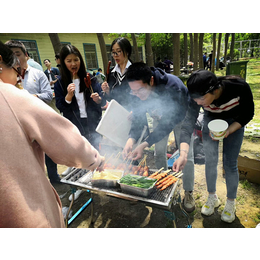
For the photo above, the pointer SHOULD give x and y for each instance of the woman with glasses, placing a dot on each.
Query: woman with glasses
(116, 86)
(29, 128)
(228, 98)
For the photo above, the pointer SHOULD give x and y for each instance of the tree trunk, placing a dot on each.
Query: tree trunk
(55, 40)
(218, 51)
(191, 47)
(201, 64)
(232, 46)
(103, 49)
(214, 53)
(185, 49)
(176, 53)
(149, 51)
(136, 57)
(196, 51)
(226, 47)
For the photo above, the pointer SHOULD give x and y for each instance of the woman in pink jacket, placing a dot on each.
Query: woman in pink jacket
(29, 128)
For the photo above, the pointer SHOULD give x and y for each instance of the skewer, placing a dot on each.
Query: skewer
(87, 81)
(109, 158)
(179, 175)
(142, 161)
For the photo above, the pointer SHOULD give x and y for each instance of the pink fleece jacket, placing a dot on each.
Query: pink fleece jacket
(28, 128)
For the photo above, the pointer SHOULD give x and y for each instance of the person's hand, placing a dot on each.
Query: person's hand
(127, 151)
(139, 150)
(105, 87)
(179, 164)
(227, 133)
(100, 168)
(71, 89)
(95, 96)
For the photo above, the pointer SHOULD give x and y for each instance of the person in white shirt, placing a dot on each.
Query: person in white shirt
(33, 80)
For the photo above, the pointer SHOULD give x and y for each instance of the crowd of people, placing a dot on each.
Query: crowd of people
(52, 119)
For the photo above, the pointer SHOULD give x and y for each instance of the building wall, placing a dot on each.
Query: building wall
(45, 47)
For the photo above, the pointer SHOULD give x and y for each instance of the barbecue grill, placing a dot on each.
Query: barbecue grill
(81, 179)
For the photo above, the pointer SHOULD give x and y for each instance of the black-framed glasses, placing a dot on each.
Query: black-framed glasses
(116, 53)
(18, 71)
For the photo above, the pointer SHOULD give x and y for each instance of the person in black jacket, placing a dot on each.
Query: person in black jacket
(74, 99)
(116, 87)
(51, 72)
(165, 98)
(228, 98)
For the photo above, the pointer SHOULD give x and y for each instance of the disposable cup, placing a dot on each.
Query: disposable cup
(217, 129)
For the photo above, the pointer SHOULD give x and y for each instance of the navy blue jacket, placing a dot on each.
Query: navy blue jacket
(120, 91)
(71, 111)
(54, 72)
(167, 103)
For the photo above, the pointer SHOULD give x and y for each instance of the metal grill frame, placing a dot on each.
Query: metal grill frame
(161, 199)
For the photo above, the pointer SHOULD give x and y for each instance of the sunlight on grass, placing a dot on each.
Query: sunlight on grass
(253, 79)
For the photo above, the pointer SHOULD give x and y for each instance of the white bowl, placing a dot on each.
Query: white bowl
(218, 129)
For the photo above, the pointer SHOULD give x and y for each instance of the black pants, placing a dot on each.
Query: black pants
(51, 169)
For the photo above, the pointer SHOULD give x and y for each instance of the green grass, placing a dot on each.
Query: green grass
(245, 184)
(253, 79)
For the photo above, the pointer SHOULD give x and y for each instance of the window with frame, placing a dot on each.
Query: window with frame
(91, 56)
(109, 56)
(31, 47)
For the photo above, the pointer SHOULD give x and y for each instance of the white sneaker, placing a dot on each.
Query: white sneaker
(228, 214)
(212, 203)
(67, 171)
(76, 195)
(189, 202)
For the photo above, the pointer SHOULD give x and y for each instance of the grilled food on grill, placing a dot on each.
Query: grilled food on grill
(107, 175)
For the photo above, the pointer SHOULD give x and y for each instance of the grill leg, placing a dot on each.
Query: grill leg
(92, 211)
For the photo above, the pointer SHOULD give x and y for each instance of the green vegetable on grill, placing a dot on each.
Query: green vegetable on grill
(137, 181)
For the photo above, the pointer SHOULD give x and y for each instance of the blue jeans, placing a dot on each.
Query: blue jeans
(161, 158)
(231, 148)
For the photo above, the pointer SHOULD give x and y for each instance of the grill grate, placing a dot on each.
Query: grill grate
(81, 178)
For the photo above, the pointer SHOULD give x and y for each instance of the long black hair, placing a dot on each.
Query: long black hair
(124, 45)
(65, 73)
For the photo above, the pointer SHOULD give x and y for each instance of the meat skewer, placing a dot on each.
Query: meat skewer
(88, 83)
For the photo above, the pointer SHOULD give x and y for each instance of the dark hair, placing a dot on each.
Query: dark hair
(139, 71)
(47, 60)
(124, 45)
(57, 56)
(16, 44)
(99, 69)
(9, 58)
(203, 81)
(65, 73)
